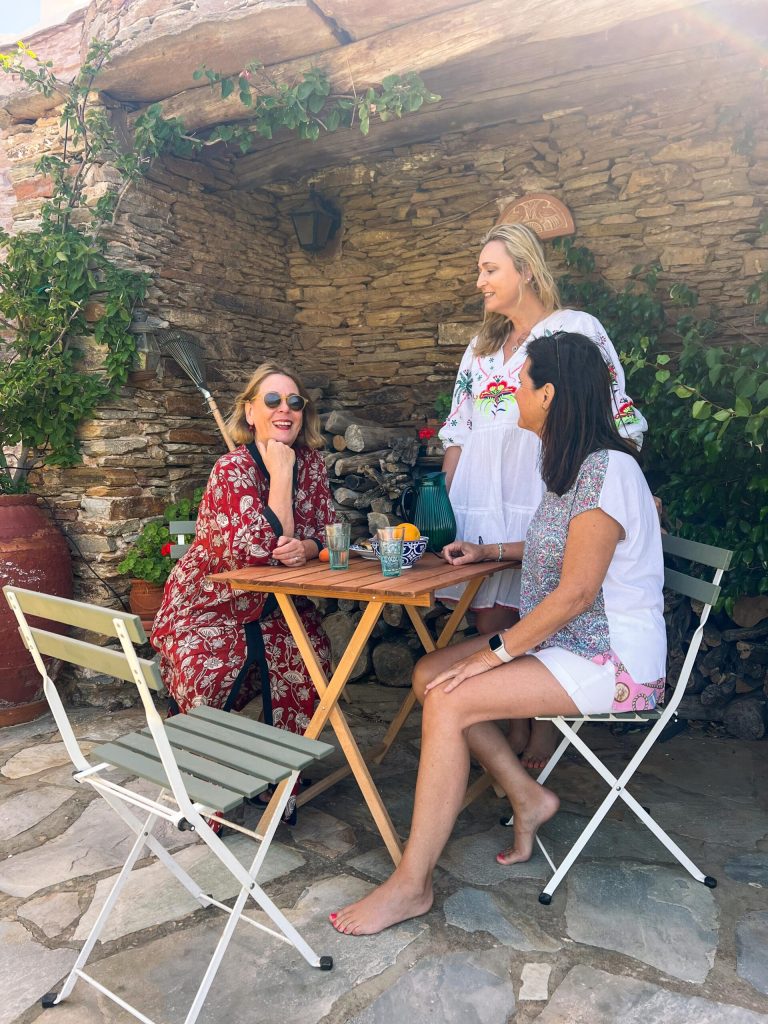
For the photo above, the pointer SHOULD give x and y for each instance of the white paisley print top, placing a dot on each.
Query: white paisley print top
(625, 623)
(497, 485)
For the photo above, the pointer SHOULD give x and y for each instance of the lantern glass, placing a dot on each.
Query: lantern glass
(315, 223)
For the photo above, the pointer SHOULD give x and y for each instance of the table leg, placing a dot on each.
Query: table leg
(429, 645)
(329, 692)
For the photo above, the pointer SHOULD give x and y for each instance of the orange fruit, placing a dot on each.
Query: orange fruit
(410, 532)
(323, 556)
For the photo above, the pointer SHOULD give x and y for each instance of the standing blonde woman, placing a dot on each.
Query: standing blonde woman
(491, 464)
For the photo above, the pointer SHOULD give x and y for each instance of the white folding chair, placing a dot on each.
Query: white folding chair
(206, 763)
(700, 590)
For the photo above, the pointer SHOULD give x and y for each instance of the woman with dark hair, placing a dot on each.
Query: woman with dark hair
(266, 502)
(490, 463)
(591, 635)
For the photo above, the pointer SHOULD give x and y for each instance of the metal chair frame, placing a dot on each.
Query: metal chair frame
(707, 592)
(206, 763)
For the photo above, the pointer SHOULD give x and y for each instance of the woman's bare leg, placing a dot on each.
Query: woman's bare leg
(533, 741)
(493, 620)
(519, 689)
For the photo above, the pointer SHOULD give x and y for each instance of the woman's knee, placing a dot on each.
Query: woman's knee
(424, 672)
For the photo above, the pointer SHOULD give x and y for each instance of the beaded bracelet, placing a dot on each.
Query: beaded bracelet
(501, 552)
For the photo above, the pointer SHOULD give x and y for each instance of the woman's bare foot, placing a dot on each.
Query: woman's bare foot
(519, 734)
(528, 819)
(389, 904)
(540, 746)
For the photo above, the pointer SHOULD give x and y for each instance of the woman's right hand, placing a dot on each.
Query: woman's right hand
(279, 458)
(462, 552)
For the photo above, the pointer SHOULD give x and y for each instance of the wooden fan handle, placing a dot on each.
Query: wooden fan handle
(220, 423)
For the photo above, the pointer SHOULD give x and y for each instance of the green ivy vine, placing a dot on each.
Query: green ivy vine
(58, 283)
(706, 404)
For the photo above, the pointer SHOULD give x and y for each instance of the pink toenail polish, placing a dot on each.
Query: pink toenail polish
(333, 916)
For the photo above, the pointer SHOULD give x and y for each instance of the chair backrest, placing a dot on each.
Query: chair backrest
(104, 623)
(181, 529)
(707, 592)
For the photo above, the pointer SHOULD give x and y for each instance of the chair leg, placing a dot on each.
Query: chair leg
(618, 791)
(106, 910)
(157, 848)
(667, 841)
(545, 896)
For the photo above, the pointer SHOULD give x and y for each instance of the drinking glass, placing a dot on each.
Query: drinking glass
(337, 542)
(391, 550)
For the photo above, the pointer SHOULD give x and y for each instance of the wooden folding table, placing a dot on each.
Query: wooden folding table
(362, 581)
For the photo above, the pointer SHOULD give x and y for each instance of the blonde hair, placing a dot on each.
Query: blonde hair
(242, 432)
(524, 249)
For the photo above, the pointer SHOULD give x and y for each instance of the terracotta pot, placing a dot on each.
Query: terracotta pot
(33, 555)
(145, 600)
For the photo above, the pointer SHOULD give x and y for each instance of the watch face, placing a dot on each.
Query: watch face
(496, 642)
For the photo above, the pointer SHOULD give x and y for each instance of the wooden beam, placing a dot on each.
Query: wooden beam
(593, 74)
(428, 43)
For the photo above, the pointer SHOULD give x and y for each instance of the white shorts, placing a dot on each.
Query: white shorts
(591, 687)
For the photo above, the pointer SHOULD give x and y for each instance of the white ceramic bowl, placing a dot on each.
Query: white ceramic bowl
(412, 550)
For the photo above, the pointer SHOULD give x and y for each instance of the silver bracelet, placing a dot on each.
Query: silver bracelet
(501, 551)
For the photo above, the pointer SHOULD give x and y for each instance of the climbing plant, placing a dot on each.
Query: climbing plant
(59, 286)
(706, 402)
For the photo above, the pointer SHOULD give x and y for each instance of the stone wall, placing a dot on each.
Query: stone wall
(380, 322)
(218, 266)
(677, 179)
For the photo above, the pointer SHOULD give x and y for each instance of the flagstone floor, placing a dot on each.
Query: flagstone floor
(629, 936)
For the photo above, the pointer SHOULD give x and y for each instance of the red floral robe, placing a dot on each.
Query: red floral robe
(199, 630)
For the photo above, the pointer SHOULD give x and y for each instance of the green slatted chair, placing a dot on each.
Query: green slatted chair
(205, 763)
(707, 593)
(181, 529)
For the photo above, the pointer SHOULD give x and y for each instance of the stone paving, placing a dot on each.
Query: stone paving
(629, 935)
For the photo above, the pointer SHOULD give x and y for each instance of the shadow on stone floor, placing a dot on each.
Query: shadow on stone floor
(629, 935)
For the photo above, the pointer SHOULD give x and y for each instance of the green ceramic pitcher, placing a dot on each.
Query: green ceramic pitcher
(428, 506)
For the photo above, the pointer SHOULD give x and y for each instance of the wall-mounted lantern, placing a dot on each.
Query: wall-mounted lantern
(316, 222)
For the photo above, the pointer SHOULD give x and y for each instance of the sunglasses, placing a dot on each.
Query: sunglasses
(295, 403)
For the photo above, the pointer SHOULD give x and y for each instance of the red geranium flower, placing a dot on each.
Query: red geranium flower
(426, 432)
(165, 550)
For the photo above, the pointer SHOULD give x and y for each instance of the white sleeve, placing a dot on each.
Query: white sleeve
(628, 419)
(458, 423)
(626, 497)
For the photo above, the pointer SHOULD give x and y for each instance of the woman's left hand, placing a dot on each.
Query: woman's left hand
(474, 665)
(462, 552)
(290, 551)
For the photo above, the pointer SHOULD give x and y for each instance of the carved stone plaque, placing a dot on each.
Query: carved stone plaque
(544, 214)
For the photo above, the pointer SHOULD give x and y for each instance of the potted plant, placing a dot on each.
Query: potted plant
(148, 563)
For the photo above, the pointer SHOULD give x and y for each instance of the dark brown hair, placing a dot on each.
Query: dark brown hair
(580, 418)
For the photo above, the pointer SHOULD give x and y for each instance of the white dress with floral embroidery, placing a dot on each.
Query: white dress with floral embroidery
(497, 485)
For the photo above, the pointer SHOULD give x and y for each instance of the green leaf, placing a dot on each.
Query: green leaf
(227, 88)
(742, 407)
(701, 410)
(662, 376)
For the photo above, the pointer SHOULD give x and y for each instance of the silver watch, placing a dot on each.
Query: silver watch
(496, 644)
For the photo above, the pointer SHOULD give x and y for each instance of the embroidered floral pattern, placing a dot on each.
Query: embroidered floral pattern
(492, 398)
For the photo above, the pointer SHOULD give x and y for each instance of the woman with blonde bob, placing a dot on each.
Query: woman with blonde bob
(266, 502)
(491, 464)
(591, 637)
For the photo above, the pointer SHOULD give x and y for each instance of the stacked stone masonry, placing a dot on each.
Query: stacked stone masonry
(379, 323)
